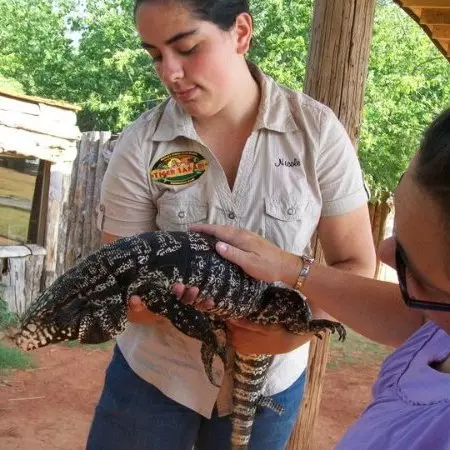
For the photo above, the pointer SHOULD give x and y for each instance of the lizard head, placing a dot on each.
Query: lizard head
(69, 310)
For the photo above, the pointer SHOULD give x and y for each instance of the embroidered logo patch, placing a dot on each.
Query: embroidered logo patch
(179, 168)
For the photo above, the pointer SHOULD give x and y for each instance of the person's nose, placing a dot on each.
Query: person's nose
(171, 69)
(386, 251)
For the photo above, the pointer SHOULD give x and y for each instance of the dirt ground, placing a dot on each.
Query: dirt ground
(50, 408)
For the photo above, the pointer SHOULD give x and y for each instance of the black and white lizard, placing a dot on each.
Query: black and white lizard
(89, 303)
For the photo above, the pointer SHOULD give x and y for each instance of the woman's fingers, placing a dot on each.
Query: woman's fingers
(136, 304)
(190, 296)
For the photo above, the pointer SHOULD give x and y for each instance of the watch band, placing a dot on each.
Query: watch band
(307, 262)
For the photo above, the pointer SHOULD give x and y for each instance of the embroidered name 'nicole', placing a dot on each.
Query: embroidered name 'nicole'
(282, 162)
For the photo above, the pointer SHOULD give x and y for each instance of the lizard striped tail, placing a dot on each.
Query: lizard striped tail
(248, 378)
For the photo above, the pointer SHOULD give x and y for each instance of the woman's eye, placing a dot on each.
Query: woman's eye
(189, 51)
(156, 58)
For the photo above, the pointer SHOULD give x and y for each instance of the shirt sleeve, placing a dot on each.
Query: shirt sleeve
(126, 206)
(338, 169)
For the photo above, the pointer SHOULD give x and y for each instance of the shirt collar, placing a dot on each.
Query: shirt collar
(274, 112)
(274, 109)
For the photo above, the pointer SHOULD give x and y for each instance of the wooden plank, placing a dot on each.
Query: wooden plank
(34, 266)
(34, 101)
(440, 31)
(14, 251)
(101, 166)
(15, 105)
(52, 226)
(426, 3)
(40, 124)
(108, 150)
(435, 17)
(38, 216)
(50, 113)
(89, 207)
(40, 146)
(336, 75)
(76, 202)
(20, 279)
(56, 196)
(64, 218)
(68, 255)
(13, 279)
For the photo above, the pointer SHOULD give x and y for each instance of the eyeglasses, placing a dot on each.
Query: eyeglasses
(400, 261)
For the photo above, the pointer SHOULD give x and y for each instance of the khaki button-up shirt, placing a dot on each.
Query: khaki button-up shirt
(297, 165)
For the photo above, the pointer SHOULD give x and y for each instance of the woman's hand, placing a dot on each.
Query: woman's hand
(252, 338)
(255, 255)
(246, 337)
(138, 312)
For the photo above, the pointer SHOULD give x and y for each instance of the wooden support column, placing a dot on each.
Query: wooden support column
(336, 75)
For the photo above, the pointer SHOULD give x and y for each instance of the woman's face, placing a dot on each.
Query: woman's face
(195, 59)
(421, 231)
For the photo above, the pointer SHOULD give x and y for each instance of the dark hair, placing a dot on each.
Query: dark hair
(432, 168)
(222, 13)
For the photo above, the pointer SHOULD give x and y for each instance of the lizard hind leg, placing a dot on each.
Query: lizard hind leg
(208, 352)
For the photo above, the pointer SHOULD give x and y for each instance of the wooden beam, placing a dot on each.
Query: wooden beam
(426, 3)
(435, 17)
(336, 75)
(38, 216)
(440, 31)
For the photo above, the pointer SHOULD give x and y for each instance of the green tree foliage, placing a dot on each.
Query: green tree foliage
(87, 52)
(33, 47)
(408, 84)
(282, 34)
(114, 79)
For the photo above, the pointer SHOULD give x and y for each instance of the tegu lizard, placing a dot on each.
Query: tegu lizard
(89, 303)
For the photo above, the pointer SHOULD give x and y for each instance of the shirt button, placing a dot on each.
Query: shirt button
(181, 214)
(291, 211)
(232, 215)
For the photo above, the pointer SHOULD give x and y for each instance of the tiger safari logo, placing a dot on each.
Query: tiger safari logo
(179, 168)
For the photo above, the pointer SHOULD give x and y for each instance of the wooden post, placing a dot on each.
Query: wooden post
(56, 219)
(336, 75)
(36, 229)
(100, 170)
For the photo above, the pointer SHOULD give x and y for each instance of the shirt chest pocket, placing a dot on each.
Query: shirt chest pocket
(175, 212)
(290, 223)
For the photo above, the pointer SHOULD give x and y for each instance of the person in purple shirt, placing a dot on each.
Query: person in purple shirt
(410, 409)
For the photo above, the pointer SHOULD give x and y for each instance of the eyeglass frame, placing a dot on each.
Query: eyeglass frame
(401, 267)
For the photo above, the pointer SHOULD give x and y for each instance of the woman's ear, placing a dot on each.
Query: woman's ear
(243, 29)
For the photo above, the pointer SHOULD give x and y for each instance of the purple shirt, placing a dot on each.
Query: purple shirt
(411, 401)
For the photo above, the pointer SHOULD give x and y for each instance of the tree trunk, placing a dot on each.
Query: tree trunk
(336, 75)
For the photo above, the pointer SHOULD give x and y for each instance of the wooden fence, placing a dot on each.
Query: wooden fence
(81, 235)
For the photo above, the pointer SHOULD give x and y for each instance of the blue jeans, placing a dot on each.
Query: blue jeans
(134, 415)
